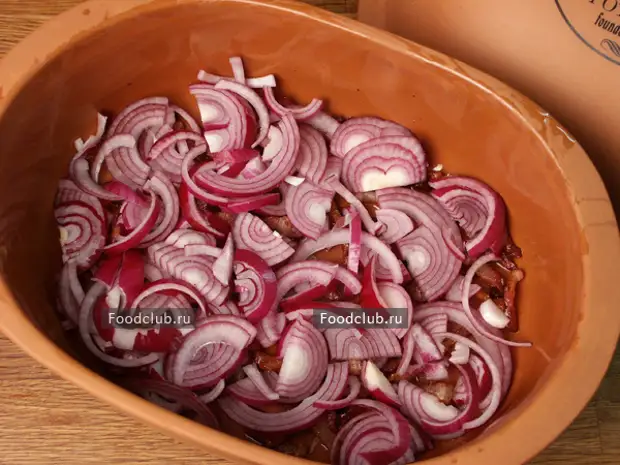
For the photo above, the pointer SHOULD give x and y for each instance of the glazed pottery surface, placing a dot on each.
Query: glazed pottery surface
(103, 55)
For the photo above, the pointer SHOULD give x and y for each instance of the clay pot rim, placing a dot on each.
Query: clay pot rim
(516, 439)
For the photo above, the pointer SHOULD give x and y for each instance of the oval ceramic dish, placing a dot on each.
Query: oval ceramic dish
(105, 54)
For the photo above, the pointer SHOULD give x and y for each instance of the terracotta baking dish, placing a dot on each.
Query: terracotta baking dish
(105, 54)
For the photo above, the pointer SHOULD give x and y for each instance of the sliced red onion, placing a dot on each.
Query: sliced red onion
(498, 352)
(483, 378)
(356, 131)
(479, 210)
(251, 233)
(188, 177)
(163, 187)
(96, 291)
(209, 365)
(305, 295)
(333, 169)
(222, 267)
(227, 123)
(423, 209)
(355, 242)
(493, 315)
(137, 114)
(480, 327)
(299, 113)
(245, 390)
(427, 350)
(296, 419)
(164, 155)
(235, 332)
(384, 162)
(313, 154)
(252, 97)
(304, 362)
(123, 161)
(182, 238)
(436, 371)
(252, 169)
(429, 261)
(168, 285)
(354, 391)
(378, 385)
(198, 219)
(196, 270)
(281, 166)
(270, 328)
(259, 381)
(69, 192)
(82, 233)
(408, 349)
(70, 296)
(455, 293)
(138, 235)
(435, 324)
(238, 69)
(496, 389)
(397, 224)
(79, 170)
(214, 393)
(102, 122)
(342, 236)
(252, 203)
(314, 272)
(273, 143)
(186, 118)
(369, 224)
(460, 354)
(347, 344)
(387, 439)
(323, 123)
(395, 296)
(370, 297)
(307, 206)
(256, 284)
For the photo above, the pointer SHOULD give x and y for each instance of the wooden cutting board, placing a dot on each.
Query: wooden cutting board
(45, 420)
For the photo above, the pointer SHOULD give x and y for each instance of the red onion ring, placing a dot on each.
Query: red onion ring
(258, 284)
(81, 233)
(251, 233)
(259, 381)
(281, 166)
(307, 206)
(69, 192)
(248, 94)
(479, 210)
(355, 131)
(397, 224)
(354, 391)
(313, 154)
(337, 237)
(292, 420)
(300, 113)
(384, 162)
(480, 327)
(304, 360)
(378, 385)
(429, 261)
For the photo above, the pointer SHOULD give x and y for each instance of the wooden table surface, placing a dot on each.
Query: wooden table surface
(45, 420)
